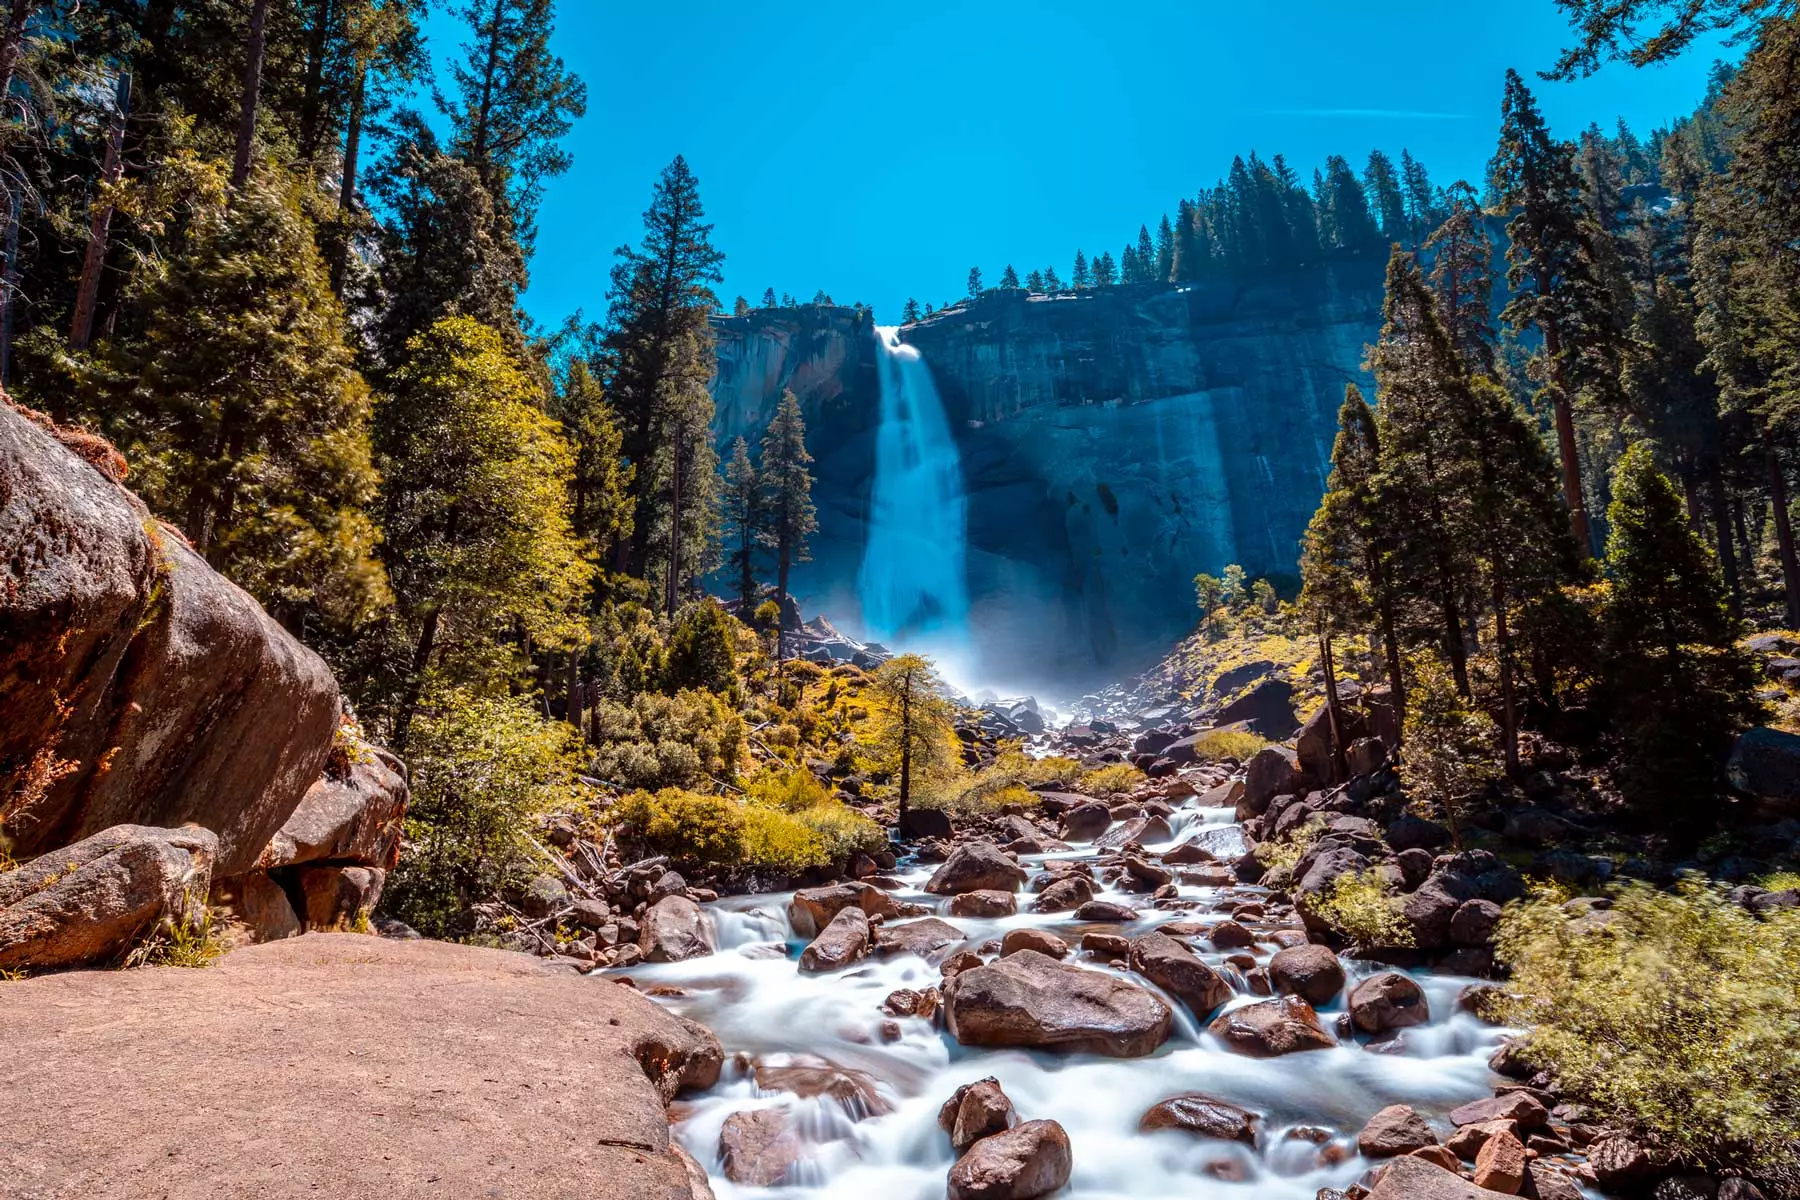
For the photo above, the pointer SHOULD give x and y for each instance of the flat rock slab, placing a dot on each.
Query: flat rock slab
(339, 1065)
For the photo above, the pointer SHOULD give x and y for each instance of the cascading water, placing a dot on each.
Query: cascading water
(912, 581)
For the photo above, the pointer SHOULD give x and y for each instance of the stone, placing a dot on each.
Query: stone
(351, 816)
(1311, 972)
(1474, 922)
(1204, 1116)
(1070, 892)
(1106, 910)
(1033, 1001)
(1547, 1183)
(1530, 825)
(340, 897)
(983, 904)
(1412, 1178)
(1189, 853)
(759, 1147)
(1022, 1163)
(1269, 1028)
(1765, 763)
(1500, 1164)
(93, 901)
(1230, 935)
(1438, 1156)
(926, 937)
(172, 695)
(1620, 1163)
(1086, 822)
(1180, 972)
(260, 905)
(1387, 1001)
(1396, 1129)
(675, 929)
(974, 1111)
(858, 1093)
(921, 823)
(1043, 941)
(976, 867)
(1145, 875)
(1729, 1189)
(1523, 1109)
(1416, 833)
(544, 895)
(1430, 907)
(1267, 709)
(1467, 1141)
(844, 941)
(1145, 831)
(1365, 756)
(1316, 748)
(1106, 945)
(812, 909)
(1271, 771)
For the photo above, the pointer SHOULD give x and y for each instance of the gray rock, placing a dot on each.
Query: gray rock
(1033, 1001)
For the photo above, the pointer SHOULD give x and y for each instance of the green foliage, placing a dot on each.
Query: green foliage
(1449, 745)
(1209, 594)
(744, 518)
(1105, 781)
(485, 771)
(1212, 745)
(787, 490)
(658, 741)
(687, 826)
(701, 650)
(1358, 906)
(193, 941)
(784, 825)
(1280, 858)
(914, 738)
(1672, 1013)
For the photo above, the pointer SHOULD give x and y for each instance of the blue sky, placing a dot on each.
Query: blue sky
(879, 152)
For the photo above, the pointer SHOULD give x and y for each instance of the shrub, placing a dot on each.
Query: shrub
(1280, 858)
(1449, 746)
(1104, 781)
(659, 741)
(485, 769)
(787, 823)
(687, 826)
(780, 841)
(1676, 1016)
(788, 790)
(843, 830)
(1215, 744)
(1358, 906)
(190, 941)
(701, 650)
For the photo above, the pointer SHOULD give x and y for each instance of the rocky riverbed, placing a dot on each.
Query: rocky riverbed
(1147, 1024)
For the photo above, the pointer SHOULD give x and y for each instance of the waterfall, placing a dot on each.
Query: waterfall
(912, 580)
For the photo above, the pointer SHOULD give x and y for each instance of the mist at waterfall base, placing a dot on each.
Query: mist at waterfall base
(913, 583)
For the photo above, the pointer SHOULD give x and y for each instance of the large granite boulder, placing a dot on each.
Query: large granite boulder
(1271, 1028)
(1031, 1000)
(1177, 970)
(1765, 763)
(90, 902)
(1023, 1163)
(352, 814)
(675, 929)
(812, 909)
(976, 867)
(844, 941)
(140, 686)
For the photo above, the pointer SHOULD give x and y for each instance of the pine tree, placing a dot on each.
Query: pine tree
(1009, 278)
(1129, 269)
(1147, 258)
(1552, 271)
(475, 484)
(909, 313)
(916, 739)
(600, 506)
(1346, 219)
(661, 351)
(768, 299)
(744, 522)
(1184, 263)
(1386, 198)
(1423, 213)
(1051, 282)
(1165, 251)
(787, 496)
(975, 288)
(740, 307)
(1080, 278)
(1461, 254)
(1682, 687)
(1034, 282)
(1106, 272)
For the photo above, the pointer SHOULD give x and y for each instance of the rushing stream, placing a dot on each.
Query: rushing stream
(764, 1010)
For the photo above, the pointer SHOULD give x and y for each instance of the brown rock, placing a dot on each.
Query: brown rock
(1203, 1116)
(1142, 830)
(974, 1111)
(925, 937)
(1310, 971)
(1023, 1163)
(1068, 893)
(1272, 1027)
(984, 904)
(1396, 1129)
(340, 897)
(844, 941)
(1176, 969)
(1041, 940)
(92, 901)
(1188, 854)
(758, 1147)
(1467, 1141)
(1106, 945)
(1500, 1164)
(976, 867)
(674, 929)
(858, 1093)
(1437, 1156)
(260, 904)
(1230, 935)
(1620, 1162)
(1522, 1108)
(1388, 1000)
(171, 693)
(1085, 822)
(812, 909)
(1106, 910)
(351, 816)
(1031, 1000)
(1410, 1178)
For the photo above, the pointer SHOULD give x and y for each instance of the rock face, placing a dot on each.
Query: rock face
(184, 701)
(1093, 431)
(1025, 1162)
(89, 902)
(1028, 999)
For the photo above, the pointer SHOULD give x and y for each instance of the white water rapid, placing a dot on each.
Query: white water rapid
(912, 580)
(765, 1011)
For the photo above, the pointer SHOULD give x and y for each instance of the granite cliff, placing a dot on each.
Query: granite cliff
(1113, 442)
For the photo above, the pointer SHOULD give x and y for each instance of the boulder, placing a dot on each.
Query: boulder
(858, 1093)
(1145, 831)
(1467, 1141)
(1544, 1182)
(976, 867)
(1272, 771)
(1500, 1164)
(1765, 763)
(1071, 892)
(1395, 1130)
(1267, 708)
(351, 816)
(1316, 748)
(1188, 853)
(1231, 935)
(166, 692)
(260, 904)
(1023, 1163)
(812, 909)
(1416, 833)
(1270, 1028)
(674, 929)
(1041, 940)
(1411, 1178)
(759, 1147)
(1430, 907)
(1620, 1163)
(1086, 822)
(1203, 1116)
(1387, 1001)
(1474, 922)
(919, 823)
(92, 901)
(1523, 1109)
(1311, 972)
(974, 1111)
(1365, 756)
(983, 904)
(1033, 1001)
(844, 941)
(1106, 910)
(1180, 972)
(924, 937)
(340, 897)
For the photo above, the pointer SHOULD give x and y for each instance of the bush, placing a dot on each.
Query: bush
(787, 823)
(780, 842)
(1358, 906)
(701, 650)
(1449, 746)
(1280, 858)
(686, 826)
(843, 830)
(659, 741)
(1104, 781)
(485, 769)
(1676, 1016)
(1215, 744)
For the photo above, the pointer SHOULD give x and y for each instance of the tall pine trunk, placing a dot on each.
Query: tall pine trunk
(311, 116)
(87, 296)
(1784, 535)
(1334, 706)
(340, 248)
(415, 680)
(252, 92)
(1720, 503)
(1566, 447)
(1509, 707)
(674, 529)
